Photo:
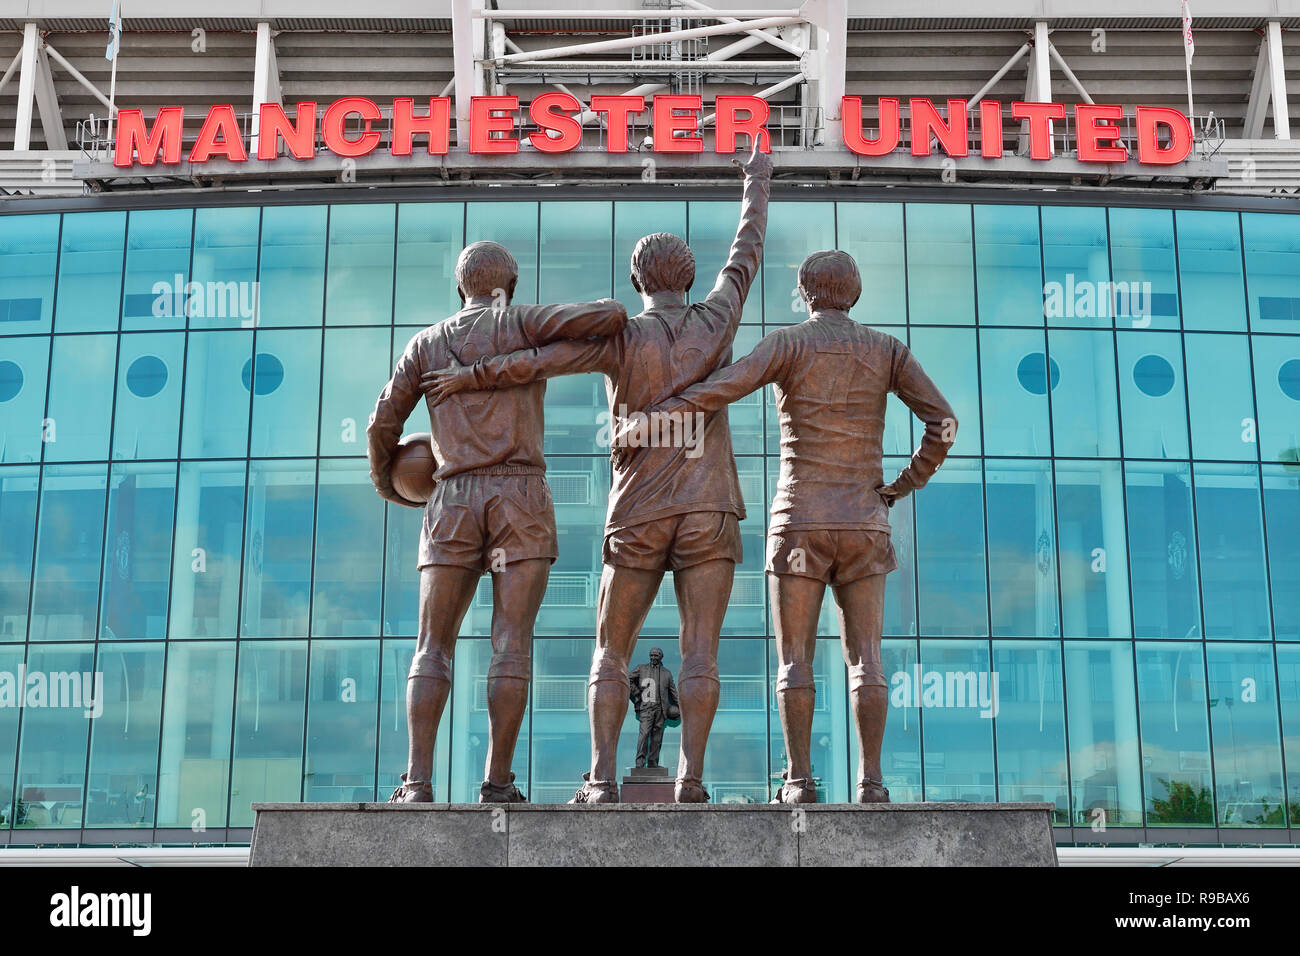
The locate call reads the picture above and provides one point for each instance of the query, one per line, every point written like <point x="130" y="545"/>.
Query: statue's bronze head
<point x="662" y="262"/>
<point x="486" y="268"/>
<point x="656" y="655"/>
<point x="830" y="280"/>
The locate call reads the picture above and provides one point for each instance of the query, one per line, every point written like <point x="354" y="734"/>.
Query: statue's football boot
<point x="690" y="790"/>
<point x="490" y="792"/>
<point x="872" y="791"/>
<point x="796" y="790"/>
<point x="599" y="791"/>
<point x="412" y="791"/>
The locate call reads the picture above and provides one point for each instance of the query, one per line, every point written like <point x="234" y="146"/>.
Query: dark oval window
<point x="270" y="373"/>
<point x="1288" y="379"/>
<point x="1032" y="373"/>
<point x="146" y="376"/>
<point x="11" y="381"/>
<point x="1153" y="375"/>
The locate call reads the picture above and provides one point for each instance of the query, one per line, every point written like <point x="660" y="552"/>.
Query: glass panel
<point x="140" y="504"/>
<point x="580" y="490"/>
<point x="900" y="586"/>
<point x="1105" y="767"/>
<point x="514" y="225"/>
<point x="429" y="238"/>
<point x="1234" y="582"/>
<point x="342" y="716"/>
<point x="467" y="712"/>
<point x="90" y="272"/>
<point x="147" y="422"/>
<point x="832" y="739"/>
<point x="268" y="726"/>
<point x="29" y="249"/>
<point x="949" y="358"/>
<point x="940" y="268"/>
<point x="401" y="577"/>
<point x="1175" y="735"/>
<point x="17" y="531"/>
<point x="277" y="548"/>
<point x="1282" y="516"/>
<point x="81" y="398"/>
<point x="1288" y="669"/>
<point x="11" y="661"/>
<point x="900" y="752"/>
<point x="359" y="289"/>
<point x="349" y="552"/>
<point x="1145" y="290"/>
<point x="1277" y="396"/>
<point x="194" y="759"/>
<point x="1219" y="395"/>
<point x="285" y="379"/>
<point x="1243" y="723"/>
<point x="1162" y="550"/>
<point x="356" y="366"/>
<point x="747" y="607"/>
<point x="1093" y="553"/>
<point x="1076" y="266"/>
<point x="1151" y="395"/>
<point x="1209" y="270"/>
<point x="55" y="729"/>
<point x="711" y="227"/>
<point x="1272" y="264"/>
<point x="576" y="251"/>
<point x="1022" y="548"/>
<point x="65" y="593"/>
<point x="735" y="764"/>
<point x="950" y="552"/>
<point x="1085" y="410"/>
<point x="1030" y="714"/>
<point x="872" y="233"/>
<point x="956" y="693"/>
<point x="794" y="232"/>
<point x="122" y="790"/>
<point x="393" y="738"/>
<point x="746" y="415"/>
<point x="1010" y="268"/>
<point x="225" y="268"/>
<point x="209" y="535"/>
<point x="157" y="269"/>
<point x="632" y="220"/>
<point x="1014" y="380"/>
<point x="560" y="739"/>
<point x="215" y="422"/>
<point x="291" y="280"/>
<point x="22" y="397"/>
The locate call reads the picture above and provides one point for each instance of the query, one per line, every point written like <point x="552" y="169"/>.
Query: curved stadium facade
<point x="1098" y="603"/>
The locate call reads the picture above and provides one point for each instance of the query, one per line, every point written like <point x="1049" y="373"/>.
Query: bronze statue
<point x="490" y="509"/>
<point x="654" y="698"/>
<point x="677" y="506"/>
<point x="830" y="521"/>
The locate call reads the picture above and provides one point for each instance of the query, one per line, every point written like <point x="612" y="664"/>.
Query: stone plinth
<point x="441" y="834"/>
<point x="647" y="785"/>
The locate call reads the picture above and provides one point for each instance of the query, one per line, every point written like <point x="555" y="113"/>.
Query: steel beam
<point x="632" y="43"/>
<point x="1257" y="106"/>
<point x="1277" y="82"/>
<point x="764" y="35"/>
<point x="73" y="72"/>
<point x="47" y="104"/>
<point x="705" y="14"/>
<point x="11" y="70"/>
<point x="1006" y="68"/>
<point x="266" y="77"/>
<point x="26" y="89"/>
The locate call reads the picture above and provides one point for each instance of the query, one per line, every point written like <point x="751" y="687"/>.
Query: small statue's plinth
<point x="647" y="785"/>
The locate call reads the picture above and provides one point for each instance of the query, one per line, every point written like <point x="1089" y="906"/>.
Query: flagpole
<point x="1189" y="50"/>
<point x="112" y="79"/>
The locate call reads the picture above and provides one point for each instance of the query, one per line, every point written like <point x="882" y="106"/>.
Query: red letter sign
<point x="618" y="109"/>
<point x="1093" y="124"/>
<point x="728" y="124"/>
<point x="951" y="135"/>
<point x="482" y="123"/>
<point x="886" y="142"/>
<point x="1040" y="116"/>
<point x="331" y="126"/>
<point x="543" y="111"/>
<point x="668" y="122"/>
<point x="221" y="120"/>
<point x="165" y="137"/>
<point x="435" y="124"/>
<point x="273" y="124"/>
<point x="1149" y="121"/>
<point x="990" y="129"/>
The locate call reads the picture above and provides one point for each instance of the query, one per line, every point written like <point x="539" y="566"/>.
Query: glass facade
<point x="1105" y="571"/>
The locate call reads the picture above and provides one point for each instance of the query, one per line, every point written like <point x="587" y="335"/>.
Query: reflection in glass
<point x="23" y="368"/>
<point x="147" y="421"/>
<point x="956" y="696"/>
<point x="1145" y="293"/>
<point x="268" y="745"/>
<point x="291" y="281"/>
<point x="711" y="227"/>
<point x="1209" y="270"/>
<point x="17" y="531"/>
<point x="1105" y="767"/>
<point x="342" y="704"/>
<point x="209" y="534"/>
<point x="1093" y="551"/>
<point x="940" y="270"/>
<point x="1015" y="377"/>
<point x="1153" y="404"/>
<point x="1288" y="670"/>
<point x="1162" y="550"/>
<point x="1010" y="270"/>
<point x="1075" y="266"/>
<point x="1175" y="736"/>
<point x="137" y="562"/>
<point x="11" y="659"/>
<point x="1272" y="264"/>
<point x="949" y="358"/>
<point x="1243" y="723"/>
<point x="1282" y="516"/>
<point x="356" y="365"/>
<point x="429" y="238"/>
<point x="225" y="268"/>
<point x="900" y="753"/>
<point x="1031" y="725"/>
<point x="794" y="231"/>
<point x="277" y="548"/>
<point x="467" y="712"/>
<point x="29" y="248"/>
<point x="1022" y="548"/>
<point x="1277" y="396"/>
<point x="122" y="789"/>
<point x="157" y="268"/>
<point x="1085" y="411"/>
<point x="575" y="252"/>
<point x="359" y="286"/>
<point x="950" y="552"/>
<point x="194" y="761"/>
<point x="90" y="272"/>
<point x="65" y="590"/>
<point x="832" y="737"/>
<point x="393" y="740"/>
<point x="1218" y="392"/>
<point x="52" y="752"/>
<point x="81" y="398"/>
<point x="214" y="423"/>
<point x="872" y="233"/>
<point x="1234" y="582"/>
<point x="286" y="393"/>
<point x="514" y="225"/>
<point x="349" y="552"/>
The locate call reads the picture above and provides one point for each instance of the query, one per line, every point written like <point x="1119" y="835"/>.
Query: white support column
<point x="1257" y="106"/>
<point x="26" y="89"/>
<point x="266" y="76"/>
<point x="1277" y="82"/>
<point x="47" y="104"/>
<point x="1042" y="64"/>
<point x="467" y="45"/>
<point x="831" y="17"/>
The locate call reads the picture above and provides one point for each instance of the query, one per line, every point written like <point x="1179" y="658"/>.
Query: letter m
<point x="133" y="138"/>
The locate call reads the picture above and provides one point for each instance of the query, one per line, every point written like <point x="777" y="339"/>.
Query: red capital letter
<point x="618" y="109"/>
<point x="165" y="137"/>
<point x="300" y="137"/>
<point x="435" y="124"/>
<point x="951" y="135"/>
<point x="1093" y="133"/>
<point x="667" y="122"/>
<point x="851" y="116"/>
<point x="728" y="124"/>
<point x="331" y="126"/>
<point x="220" y="120"/>
<point x="990" y="129"/>
<point x="1040" y="116"/>
<point x="1149" y="121"/>
<point x="482" y="124"/>
<point x="543" y="111"/>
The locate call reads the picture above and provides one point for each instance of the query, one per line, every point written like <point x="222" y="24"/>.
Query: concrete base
<point x="441" y="834"/>
<point x="648" y="785"/>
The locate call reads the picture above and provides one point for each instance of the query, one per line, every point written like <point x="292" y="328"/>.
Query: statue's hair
<point x="485" y="267"/>
<point x="657" y="650"/>
<point x="829" y="280"/>
<point x="662" y="262"/>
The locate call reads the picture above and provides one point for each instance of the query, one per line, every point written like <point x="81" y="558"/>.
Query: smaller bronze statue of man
<point x="654" y="697"/>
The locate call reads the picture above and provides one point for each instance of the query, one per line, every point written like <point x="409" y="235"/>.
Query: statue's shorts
<point x="489" y="518"/>
<point x="675" y="542"/>
<point x="835" y="556"/>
